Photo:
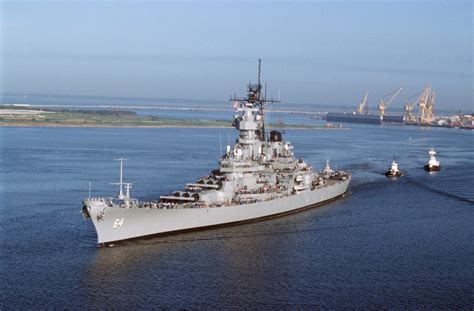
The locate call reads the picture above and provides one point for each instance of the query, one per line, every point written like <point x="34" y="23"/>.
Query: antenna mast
<point x="121" y="196"/>
<point x="261" y="101"/>
<point x="255" y="98"/>
<point x="258" y="79"/>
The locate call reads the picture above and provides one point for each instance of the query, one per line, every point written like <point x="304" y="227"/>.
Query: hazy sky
<point x="325" y="52"/>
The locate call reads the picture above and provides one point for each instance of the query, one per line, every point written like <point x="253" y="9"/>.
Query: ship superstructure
<point x="257" y="177"/>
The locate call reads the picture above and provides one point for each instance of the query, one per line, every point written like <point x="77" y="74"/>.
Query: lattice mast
<point x="255" y="98"/>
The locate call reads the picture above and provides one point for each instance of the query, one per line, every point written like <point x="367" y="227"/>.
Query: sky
<point x="314" y="52"/>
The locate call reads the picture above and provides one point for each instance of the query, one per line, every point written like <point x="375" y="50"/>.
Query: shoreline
<point x="11" y="116"/>
<point x="66" y="125"/>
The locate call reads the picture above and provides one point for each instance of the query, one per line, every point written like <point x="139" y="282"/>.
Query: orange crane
<point x="409" y="117"/>
<point x="426" y="105"/>
<point x="384" y="105"/>
<point x="362" y="108"/>
<point x="425" y="102"/>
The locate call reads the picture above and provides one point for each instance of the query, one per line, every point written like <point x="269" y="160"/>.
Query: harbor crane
<point x="426" y="105"/>
<point x="384" y="105"/>
<point x="425" y="102"/>
<point x="409" y="117"/>
<point x="362" y="108"/>
<point x="409" y="106"/>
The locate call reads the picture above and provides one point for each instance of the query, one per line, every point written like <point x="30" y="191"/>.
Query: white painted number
<point x="118" y="223"/>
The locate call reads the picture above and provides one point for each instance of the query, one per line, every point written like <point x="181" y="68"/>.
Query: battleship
<point x="258" y="177"/>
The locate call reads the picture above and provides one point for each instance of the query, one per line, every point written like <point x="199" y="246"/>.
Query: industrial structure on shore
<point x="363" y="115"/>
<point x="425" y="103"/>
<point x="425" y="115"/>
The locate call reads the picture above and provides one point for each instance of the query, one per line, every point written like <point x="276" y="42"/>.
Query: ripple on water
<point x="398" y="244"/>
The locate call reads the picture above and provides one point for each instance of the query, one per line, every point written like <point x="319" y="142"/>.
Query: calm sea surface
<point x="406" y="243"/>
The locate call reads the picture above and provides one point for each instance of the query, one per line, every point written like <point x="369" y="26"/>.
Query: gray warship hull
<point x="117" y="224"/>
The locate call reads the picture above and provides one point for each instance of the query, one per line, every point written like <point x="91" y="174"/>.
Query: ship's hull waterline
<point x="114" y="224"/>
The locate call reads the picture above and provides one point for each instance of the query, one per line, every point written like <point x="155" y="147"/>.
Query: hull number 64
<point x="118" y="223"/>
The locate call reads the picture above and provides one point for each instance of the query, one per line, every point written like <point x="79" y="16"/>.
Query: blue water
<point x="397" y="244"/>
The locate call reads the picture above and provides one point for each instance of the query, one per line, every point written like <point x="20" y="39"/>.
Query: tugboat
<point x="257" y="178"/>
<point x="433" y="164"/>
<point x="393" y="171"/>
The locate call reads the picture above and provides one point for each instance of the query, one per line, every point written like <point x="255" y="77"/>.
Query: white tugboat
<point x="433" y="163"/>
<point x="393" y="171"/>
<point x="258" y="177"/>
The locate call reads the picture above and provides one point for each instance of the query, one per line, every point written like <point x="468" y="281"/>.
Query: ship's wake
<point x="445" y="194"/>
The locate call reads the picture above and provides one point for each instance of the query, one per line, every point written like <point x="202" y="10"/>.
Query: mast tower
<point x="254" y="97"/>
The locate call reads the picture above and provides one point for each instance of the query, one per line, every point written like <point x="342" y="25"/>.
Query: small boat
<point x="393" y="171"/>
<point x="433" y="163"/>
